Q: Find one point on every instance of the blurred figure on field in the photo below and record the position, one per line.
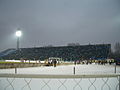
(54, 63)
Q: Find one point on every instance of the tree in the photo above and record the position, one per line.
(117, 50)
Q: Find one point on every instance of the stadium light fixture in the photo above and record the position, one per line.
(18, 34)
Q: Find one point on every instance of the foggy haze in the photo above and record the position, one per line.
(58, 22)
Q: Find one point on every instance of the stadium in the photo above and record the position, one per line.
(67, 53)
(63, 77)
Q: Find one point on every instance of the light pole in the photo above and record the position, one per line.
(18, 34)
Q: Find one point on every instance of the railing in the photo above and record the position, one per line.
(59, 82)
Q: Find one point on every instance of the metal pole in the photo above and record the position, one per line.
(15, 70)
(17, 43)
(74, 70)
(119, 81)
(115, 67)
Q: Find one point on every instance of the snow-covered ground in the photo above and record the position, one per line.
(110, 83)
(79, 69)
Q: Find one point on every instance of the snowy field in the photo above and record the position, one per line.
(79, 69)
(109, 83)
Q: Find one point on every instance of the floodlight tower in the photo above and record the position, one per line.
(18, 34)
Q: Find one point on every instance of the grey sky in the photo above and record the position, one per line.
(58, 22)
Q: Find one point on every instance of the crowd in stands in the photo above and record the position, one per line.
(99, 62)
(70, 53)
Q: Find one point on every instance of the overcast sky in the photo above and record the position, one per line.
(58, 22)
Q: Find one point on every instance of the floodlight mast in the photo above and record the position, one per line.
(18, 34)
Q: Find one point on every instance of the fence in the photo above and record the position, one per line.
(59, 82)
(71, 69)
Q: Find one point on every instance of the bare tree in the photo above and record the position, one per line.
(117, 48)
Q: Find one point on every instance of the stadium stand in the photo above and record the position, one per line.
(70, 53)
(6, 52)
